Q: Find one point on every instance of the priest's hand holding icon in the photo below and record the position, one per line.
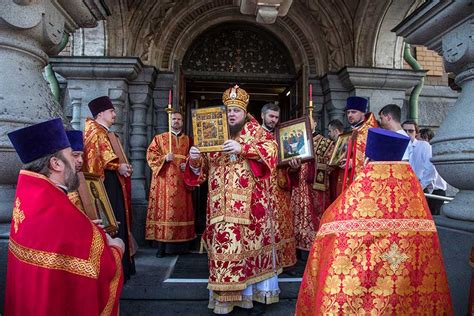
(295, 163)
(231, 147)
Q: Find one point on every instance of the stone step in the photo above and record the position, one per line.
(162, 282)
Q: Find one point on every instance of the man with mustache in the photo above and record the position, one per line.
(101, 159)
(240, 234)
(360, 120)
(77, 145)
(59, 262)
(280, 187)
(170, 215)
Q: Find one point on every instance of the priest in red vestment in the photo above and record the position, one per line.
(310, 190)
(101, 159)
(76, 139)
(170, 214)
(59, 262)
(377, 250)
(240, 234)
(280, 191)
(360, 121)
(323, 148)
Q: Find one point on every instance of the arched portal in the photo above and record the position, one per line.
(239, 53)
(236, 53)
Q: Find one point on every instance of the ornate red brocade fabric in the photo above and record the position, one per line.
(359, 135)
(302, 205)
(170, 215)
(240, 233)
(98, 156)
(377, 251)
(280, 191)
(59, 263)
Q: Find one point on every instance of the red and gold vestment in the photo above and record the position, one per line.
(302, 205)
(170, 215)
(310, 193)
(59, 262)
(356, 148)
(239, 234)
(323, 148)
(76, 200)
(99, 156)
(280, 191)
(377, 251)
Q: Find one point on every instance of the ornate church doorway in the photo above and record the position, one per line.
(243, 54)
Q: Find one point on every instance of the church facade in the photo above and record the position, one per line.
(136, 51)
(197, 49)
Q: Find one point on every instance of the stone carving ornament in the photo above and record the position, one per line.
(237, 49)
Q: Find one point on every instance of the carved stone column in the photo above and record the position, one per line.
(140, 101)
(29, 32)
(164, 83)
(448, 27)
(118, 96)
(453, 147)
(75, 96)
(335, 95)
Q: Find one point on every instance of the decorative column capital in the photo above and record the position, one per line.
(96, 68)
(458, 48)
(39, 26)
(379, 78)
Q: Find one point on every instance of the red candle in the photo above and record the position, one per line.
(169, 97)
(310, 91)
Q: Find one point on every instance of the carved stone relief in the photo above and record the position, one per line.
(237, 49)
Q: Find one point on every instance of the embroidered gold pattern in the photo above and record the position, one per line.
(49, 260)
(379, 225)
(113, 285)
(18, 215)
(394, 257)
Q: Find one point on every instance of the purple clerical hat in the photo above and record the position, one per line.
(39, 140)
(76, 140)
(100, 104)
(385, 145)
(357, 103)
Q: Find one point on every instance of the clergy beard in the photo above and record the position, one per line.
(235, 130)
(71, 180)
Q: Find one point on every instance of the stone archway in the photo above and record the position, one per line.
(238, 50)
(241, 53)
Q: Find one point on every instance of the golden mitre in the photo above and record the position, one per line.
(237, 97)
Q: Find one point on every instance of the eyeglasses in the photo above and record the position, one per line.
(409, 130)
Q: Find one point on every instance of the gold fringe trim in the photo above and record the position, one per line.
(227, 307)
(172, 241)
(227, 298)
(228, 219)
(242, 286)
(264, 299)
